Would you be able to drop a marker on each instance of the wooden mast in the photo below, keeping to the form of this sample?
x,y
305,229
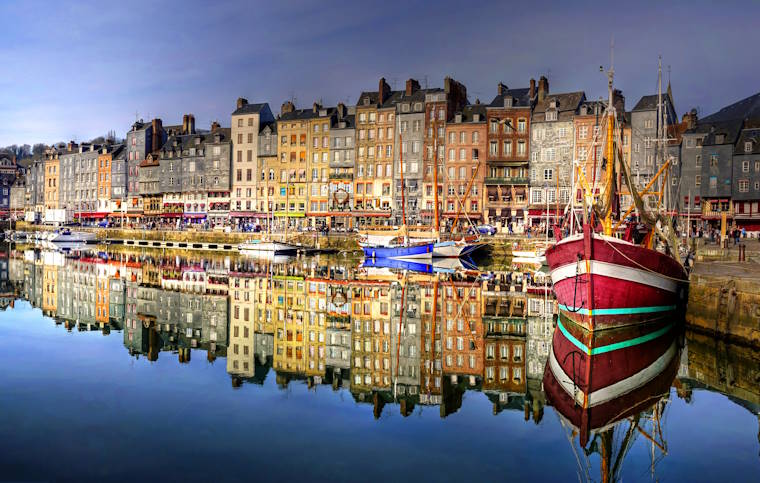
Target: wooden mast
x,y
609,165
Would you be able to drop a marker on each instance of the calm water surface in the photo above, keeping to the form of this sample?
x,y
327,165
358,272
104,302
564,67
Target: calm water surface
x,y
169,368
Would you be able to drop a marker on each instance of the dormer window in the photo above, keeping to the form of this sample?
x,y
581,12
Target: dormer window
x,y
197,141
551,115
748,146
553,103
720,138
507,101
366,101
404,107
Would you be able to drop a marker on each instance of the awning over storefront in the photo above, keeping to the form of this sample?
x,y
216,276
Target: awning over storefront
x,y
171,215
90,214
194,215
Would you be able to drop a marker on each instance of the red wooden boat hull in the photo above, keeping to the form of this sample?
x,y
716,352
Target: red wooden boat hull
x,y
601,282
613,376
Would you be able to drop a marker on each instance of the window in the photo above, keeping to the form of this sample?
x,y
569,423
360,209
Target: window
x,y
549,174
521,125
536,196
521,148
562,132
745,166
698,181
713,160
551,115
748,146
698,161
493,148
494,126
713,182
743,185
507,149
462,154
583,132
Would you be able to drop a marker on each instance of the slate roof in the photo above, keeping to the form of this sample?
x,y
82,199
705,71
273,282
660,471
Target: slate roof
x,y
188,140
521,98
753,135
649,103
748,107
568,104
250,109
350,121
469,110
272,125
730,129
298,115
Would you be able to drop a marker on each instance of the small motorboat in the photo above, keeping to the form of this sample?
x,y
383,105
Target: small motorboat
x,y
71,237
257,247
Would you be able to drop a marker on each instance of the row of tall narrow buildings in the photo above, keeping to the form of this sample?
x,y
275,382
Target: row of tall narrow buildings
x,y
507,161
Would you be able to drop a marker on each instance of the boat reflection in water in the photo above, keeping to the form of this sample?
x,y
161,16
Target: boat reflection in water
x,y
611,386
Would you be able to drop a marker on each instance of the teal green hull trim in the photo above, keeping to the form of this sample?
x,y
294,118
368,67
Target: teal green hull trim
x,y
620,311
612,347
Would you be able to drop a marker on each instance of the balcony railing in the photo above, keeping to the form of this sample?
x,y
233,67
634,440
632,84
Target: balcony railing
x,y
341,176
507,180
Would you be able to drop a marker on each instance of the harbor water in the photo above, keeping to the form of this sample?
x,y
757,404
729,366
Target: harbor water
x,y
156,366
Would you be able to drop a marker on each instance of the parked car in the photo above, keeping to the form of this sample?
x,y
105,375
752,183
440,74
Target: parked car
x,y
486,229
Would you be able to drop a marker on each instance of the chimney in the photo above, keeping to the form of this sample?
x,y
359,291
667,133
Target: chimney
x,y
501,89
214,126
287,107
191,124
412,86
691,119
543,88
456,93
532,88
184,124
383,91
156,138
315,107
341,110
71,146
242,102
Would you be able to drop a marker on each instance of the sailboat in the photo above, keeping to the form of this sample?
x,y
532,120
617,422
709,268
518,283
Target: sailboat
x,y
397,244
605,281
399,237
265,246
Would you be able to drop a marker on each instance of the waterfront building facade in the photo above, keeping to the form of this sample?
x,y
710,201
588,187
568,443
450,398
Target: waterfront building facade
x,y
551,151
246,122
507,157
341,166
465,171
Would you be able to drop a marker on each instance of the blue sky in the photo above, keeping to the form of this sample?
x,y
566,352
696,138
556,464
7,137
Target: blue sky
x,y
77,69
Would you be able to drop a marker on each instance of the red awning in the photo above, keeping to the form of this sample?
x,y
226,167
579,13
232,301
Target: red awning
x,y
194,215
171,215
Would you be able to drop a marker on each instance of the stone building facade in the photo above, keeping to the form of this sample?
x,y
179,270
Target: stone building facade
x,y
551,151
410,125
745,192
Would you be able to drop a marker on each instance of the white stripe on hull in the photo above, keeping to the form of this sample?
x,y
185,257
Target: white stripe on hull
x,y
613,391
614,270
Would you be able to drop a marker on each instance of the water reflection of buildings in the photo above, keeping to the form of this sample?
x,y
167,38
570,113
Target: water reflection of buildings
x,y
414,339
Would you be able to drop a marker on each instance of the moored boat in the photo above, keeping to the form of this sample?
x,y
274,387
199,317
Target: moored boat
x,y
601,281
401,250
67,236
262,246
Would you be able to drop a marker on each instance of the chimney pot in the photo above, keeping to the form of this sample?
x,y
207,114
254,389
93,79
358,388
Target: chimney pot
x,y
191,124
184,123
532,88
501,89
383,91
242,102
543,88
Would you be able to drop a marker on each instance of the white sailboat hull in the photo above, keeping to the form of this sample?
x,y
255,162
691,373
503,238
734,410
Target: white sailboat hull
x,y
266,247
